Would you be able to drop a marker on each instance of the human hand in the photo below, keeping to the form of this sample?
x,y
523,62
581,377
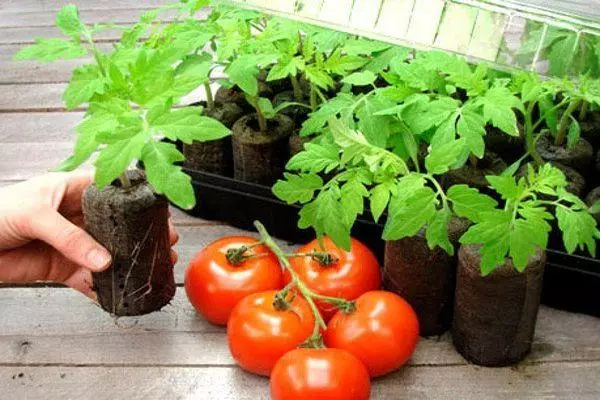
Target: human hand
x,y
42,236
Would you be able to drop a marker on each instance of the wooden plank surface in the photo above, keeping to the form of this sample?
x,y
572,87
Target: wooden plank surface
x,y
60,326
577,380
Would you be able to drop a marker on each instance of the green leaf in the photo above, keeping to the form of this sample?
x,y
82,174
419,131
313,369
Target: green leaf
x,y
375,128
409,143
364,47
287,69
548,179
166,178
187,125
266,107
363,78
116,158
525,237
437,231
326,216
408,216
67,20
505,186
333,107
352,200
574,133
493,234
417,75
51,50
86,144
190,74
595,208
243,72
578,228
343,64
297,188
380,197
498,104
423,116
549,113
85,83
382,61
469,203
561,55
193,6
318,77
316,158
441,158
471,127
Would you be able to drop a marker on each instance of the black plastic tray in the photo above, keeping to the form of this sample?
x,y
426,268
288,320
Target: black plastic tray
x,y
571,282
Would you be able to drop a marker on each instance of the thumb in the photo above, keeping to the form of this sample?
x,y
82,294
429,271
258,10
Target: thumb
x,y
70,240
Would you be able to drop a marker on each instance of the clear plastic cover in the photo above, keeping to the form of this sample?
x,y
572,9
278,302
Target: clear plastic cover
x,y
509,34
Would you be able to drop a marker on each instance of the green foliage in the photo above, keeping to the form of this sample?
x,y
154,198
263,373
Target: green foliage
x,y
522,226
51,50
131,93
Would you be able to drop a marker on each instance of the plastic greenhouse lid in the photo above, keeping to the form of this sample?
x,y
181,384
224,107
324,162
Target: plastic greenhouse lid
x,y
540,35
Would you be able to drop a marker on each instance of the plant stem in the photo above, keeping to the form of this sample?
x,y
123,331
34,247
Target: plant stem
x,y
438,188
564,123
95,51
210,102
583,111
473,160
262,121
313,98
298,95
125,182
309,295
529,139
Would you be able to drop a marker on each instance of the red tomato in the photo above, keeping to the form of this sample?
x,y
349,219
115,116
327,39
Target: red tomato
x,y
214,286
355,273
317,374
259,334
382,332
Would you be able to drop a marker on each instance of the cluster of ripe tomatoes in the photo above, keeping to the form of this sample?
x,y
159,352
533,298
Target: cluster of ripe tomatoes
x,y
324,342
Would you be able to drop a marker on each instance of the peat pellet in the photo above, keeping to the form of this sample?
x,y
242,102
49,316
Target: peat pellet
x,y
276,86
260,157
235,95
579,157
495,316
214,156
297,143
510,148
298,114
590,129
424,277
132,224
475,175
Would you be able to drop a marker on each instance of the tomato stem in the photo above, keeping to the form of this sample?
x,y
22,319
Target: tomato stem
x,y
237,255
322,258
309,295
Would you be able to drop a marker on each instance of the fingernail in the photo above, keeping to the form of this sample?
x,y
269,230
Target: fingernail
x,y
99,258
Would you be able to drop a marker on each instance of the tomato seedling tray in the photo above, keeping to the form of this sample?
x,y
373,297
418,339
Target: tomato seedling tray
x,y
571,282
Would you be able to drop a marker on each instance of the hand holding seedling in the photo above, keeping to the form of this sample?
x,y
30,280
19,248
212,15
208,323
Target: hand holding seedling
x,y
42,236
